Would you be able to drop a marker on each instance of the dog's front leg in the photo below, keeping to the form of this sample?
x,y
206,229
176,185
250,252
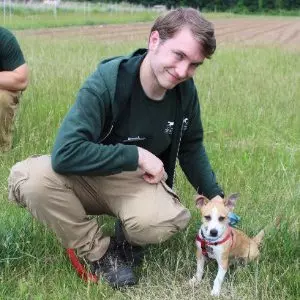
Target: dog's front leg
x,y
200,267
222,269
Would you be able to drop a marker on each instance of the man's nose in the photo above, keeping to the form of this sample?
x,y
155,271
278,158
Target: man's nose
x,y
182,70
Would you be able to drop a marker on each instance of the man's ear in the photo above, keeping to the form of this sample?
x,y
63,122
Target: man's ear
x,y
201,200
230,201
154,40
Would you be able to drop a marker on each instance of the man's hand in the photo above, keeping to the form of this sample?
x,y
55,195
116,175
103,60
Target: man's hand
x,y
16,80
151,165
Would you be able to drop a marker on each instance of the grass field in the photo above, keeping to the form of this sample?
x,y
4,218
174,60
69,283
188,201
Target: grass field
x,y
38,15
43,20
35,16
250,110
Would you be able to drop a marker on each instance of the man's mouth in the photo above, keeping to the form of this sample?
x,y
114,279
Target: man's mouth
x,y
174,78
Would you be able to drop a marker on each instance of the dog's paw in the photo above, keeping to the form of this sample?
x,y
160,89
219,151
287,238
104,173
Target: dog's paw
x,y
194,281
215,292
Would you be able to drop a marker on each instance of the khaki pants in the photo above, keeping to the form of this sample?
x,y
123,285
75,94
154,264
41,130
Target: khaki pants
x,y
150,213
8,107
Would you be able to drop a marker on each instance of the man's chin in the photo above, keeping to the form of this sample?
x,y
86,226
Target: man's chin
x,y
169,85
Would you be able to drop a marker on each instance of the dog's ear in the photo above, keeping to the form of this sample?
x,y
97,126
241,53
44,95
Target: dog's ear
x,y
231,200
201,200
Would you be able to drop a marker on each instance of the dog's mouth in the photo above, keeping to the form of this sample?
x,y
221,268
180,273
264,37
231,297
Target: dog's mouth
x,y
211,235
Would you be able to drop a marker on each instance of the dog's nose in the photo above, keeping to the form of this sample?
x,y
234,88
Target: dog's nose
x,y
214,232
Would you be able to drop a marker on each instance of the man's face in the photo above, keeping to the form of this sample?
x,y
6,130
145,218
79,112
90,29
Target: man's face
x,y
176,59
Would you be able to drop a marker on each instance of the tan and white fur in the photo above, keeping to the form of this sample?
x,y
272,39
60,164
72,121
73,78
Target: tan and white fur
x,y
222,241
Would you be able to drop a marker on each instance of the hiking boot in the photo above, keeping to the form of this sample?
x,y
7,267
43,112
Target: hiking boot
x,y
132,255
112,268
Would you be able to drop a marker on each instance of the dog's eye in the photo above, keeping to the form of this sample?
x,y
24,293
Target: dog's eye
x,y
207,218
221,219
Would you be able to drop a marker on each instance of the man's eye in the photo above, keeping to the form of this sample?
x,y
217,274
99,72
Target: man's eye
x,y
195,66
207,218
179,55
221,219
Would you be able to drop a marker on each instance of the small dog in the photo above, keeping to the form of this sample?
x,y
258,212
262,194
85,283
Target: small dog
x,y
217,240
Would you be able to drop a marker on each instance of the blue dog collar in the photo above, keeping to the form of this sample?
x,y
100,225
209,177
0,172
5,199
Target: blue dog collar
x,y
233,218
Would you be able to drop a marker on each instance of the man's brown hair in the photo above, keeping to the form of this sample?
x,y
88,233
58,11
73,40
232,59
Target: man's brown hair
x,y
169,24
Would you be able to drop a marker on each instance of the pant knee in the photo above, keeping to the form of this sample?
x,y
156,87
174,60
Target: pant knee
x,y
33,194
143,231
182,219
144,235
26,184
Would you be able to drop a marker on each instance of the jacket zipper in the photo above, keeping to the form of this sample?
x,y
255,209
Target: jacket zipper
x,y
178,146
109,132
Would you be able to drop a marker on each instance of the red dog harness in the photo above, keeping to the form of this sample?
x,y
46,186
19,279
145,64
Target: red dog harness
x,y
205,243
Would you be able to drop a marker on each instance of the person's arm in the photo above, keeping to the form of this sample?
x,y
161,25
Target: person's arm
x,y
193,158
78,150
16,80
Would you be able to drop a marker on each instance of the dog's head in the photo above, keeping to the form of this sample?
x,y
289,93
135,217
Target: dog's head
x,y
215,215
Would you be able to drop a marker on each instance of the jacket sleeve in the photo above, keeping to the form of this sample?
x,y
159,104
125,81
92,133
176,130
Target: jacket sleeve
x,y
12,56
192,155
77,149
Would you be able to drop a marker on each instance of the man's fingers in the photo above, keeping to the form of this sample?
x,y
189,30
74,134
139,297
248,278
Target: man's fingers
x,y
154,179
149,178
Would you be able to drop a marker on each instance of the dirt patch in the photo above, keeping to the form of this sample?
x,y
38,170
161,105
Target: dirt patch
x,y
277,32
248,31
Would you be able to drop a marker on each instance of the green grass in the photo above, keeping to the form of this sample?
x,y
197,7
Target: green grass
x,y
250,107
48,19
34,19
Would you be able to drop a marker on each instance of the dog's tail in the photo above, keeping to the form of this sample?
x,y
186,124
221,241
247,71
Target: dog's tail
x,y
259,237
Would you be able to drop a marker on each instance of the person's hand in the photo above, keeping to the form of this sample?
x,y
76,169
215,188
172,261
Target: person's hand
x,y
151,165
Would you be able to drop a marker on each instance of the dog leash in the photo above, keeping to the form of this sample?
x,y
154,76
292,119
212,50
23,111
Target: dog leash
x,y
81,271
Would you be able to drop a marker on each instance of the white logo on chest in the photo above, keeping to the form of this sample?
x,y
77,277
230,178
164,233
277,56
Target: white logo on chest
x,y
185,124
169,128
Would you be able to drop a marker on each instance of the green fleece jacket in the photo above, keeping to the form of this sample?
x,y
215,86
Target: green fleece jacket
x,y
11,56
80,144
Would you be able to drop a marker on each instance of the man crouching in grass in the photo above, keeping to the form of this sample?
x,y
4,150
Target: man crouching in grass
x,y
116,151
14,77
